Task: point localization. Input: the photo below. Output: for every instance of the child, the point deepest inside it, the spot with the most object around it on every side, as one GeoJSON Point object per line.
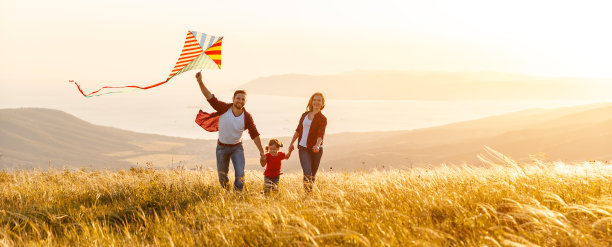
{"type": "Point", "coordinates": [273, 164]}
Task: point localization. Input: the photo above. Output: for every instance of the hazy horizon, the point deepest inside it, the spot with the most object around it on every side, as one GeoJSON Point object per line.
{"type": "Point", "coordinates": [279, 121]}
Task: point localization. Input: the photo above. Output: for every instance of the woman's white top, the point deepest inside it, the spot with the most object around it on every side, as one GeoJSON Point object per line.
{"type": "Point", "coordinates": [305, 129]}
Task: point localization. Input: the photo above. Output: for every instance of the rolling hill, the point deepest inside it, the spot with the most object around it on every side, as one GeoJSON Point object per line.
{"type": "Point", "coordinates": [34, 137]}
{"type": "Point", "coordinates": [39, 138]}
{"type": "Point", "coordinates": [570, 134]}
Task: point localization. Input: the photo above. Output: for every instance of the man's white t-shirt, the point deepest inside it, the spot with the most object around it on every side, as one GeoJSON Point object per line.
{"type": "Point", "coordinates": [305, 129]}
{"type": "Point", "coordinates": [231, 127]}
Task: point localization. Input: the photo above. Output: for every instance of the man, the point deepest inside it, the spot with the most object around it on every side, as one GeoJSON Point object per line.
{"type": "Point", "coordinates": [230, 120]}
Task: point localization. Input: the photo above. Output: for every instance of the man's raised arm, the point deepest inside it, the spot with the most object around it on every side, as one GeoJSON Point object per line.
{"type": "Point", "coordinates": [205, 91]}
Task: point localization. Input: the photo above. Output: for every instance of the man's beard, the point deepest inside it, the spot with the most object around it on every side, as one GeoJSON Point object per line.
{"type": "Point", "coordinates": [238, 106]}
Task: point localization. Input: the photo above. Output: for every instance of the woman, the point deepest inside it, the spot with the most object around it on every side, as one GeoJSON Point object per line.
{"type": "Point", "coordinates": [309, 133]}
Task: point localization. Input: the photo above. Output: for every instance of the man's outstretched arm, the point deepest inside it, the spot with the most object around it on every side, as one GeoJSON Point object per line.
{"type": "Point", "coordinates": [262, 155]}
{"type": "Point", "coordinates": [205, 90]}
{"type": "Point", "coordinates": [257, 142]}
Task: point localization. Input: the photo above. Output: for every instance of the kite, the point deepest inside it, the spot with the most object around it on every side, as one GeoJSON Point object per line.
{"type": "Point", "coordinates": [201, 51]}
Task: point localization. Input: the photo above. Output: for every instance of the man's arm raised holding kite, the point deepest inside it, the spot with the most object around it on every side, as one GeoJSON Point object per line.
{"type": "Point", "coordinates": [205, 90]}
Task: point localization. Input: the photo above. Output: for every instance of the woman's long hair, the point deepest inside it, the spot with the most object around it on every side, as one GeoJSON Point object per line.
{"type": "Point", "coordinates": [309, 106]}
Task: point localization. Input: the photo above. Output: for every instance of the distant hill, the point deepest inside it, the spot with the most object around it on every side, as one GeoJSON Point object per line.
{"type": "Point", "coordinates": [431, 86]}
{"type": "Point", "coordinates": [31, 138]}
{"type": "Point", "coordinates": [570, 134]}
{"type": "Point", "coordinates": [34, 137]}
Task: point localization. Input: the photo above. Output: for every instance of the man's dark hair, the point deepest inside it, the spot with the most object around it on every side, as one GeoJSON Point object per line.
{"type": "Point", "coordinates": [239, 91]}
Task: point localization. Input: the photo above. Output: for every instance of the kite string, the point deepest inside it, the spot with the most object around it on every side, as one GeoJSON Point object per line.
{"type": "Point", "coordinates": [95, 93]}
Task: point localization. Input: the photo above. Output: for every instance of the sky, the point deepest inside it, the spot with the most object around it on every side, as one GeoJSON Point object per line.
{"type": "Point", "coordinates": [101, 42]}
{"type": "Point", "coordinates": [44, 44]}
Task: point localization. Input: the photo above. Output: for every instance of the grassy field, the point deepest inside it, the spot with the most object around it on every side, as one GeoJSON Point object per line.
{"type": "Point", "coordinates": [548, 204]}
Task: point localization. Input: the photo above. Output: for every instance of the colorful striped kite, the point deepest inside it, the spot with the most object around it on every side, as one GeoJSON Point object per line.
{"type": "Point", "coordinates": [201, 51]}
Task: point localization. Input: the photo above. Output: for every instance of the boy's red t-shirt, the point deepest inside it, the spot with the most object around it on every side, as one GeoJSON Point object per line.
{"type": "Point", "coordinates": [273, 164]}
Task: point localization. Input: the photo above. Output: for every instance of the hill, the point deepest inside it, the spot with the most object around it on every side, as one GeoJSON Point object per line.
{"type": "Point", "coordinates": [569, 134]}
{"type": "Point", "coordinates": [42, 137]}
{"type": "Point", "coordinates": [431, 86]}
{"type": "Point", "coordinates": [35, 137]}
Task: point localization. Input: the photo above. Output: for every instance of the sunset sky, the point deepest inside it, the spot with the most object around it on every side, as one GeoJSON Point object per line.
{"type": "Point", "coordinates": [47, 43]}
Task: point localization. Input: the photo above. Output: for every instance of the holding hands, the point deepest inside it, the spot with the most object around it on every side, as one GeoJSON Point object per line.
{"type": "Point", "coordinates": [289, 152]}
{"type": "Point", "coordinates": [262, 159]}
{"type": "Point", "coordinates": [315, 149]}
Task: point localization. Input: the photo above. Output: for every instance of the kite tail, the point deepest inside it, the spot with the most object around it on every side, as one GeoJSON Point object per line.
{"type": "Point", "coordinates": [124, 89]}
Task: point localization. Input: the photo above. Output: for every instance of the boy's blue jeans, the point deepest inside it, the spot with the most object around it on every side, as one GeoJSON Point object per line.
{"type": "Point", "coordinates": [236, 154]}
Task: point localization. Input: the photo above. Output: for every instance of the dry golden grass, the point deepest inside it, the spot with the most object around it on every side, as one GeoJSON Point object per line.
{"type": "Point", "coordinates": [548, 204]}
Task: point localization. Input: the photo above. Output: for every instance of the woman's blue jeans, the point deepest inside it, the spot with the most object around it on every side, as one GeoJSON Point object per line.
{"type": "Point", "coordinates": [310, 165]}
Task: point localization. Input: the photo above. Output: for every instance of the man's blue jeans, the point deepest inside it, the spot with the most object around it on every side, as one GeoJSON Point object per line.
{"type": "Point", "coordinates": [236, 154]}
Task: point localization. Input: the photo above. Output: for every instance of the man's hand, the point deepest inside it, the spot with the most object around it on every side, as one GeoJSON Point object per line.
{"type": "Point", "coordinates": [199, 76]}
{"type": "Point", "coordinates": [291, 148]}
{"type": "Point", "coordinates": [316, 148]}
